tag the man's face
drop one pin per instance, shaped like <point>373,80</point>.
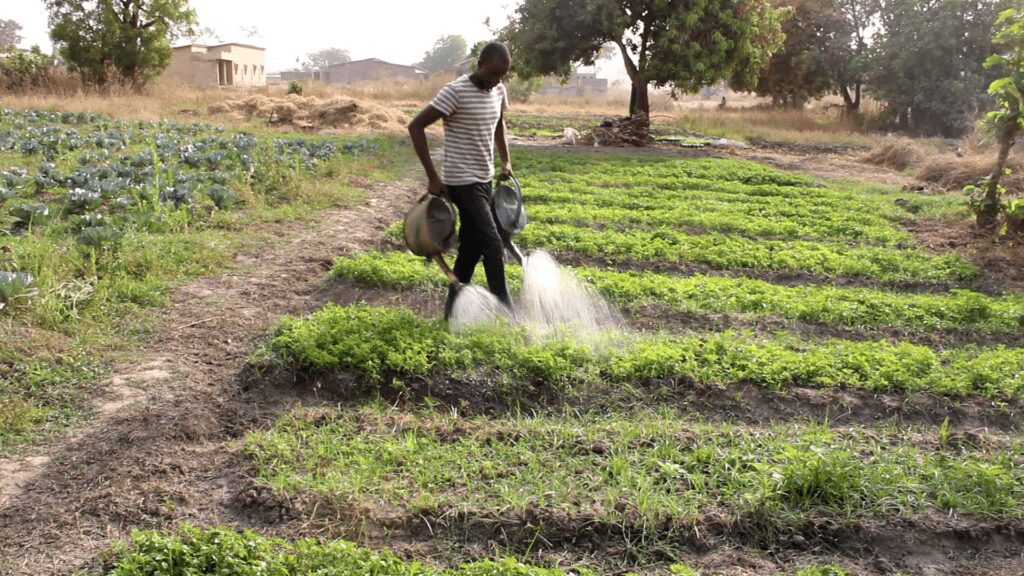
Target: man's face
<point>491,73</point>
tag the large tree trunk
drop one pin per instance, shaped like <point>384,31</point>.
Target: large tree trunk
<point>643,102</point>
<point>988,214</point>
<point>851,101</point>
<point>639,102</point>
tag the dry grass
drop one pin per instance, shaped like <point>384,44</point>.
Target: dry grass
<point>395,91</point>
<point>744,118</point>
<point>946,166</point>
<point>954,172</point>
<point>896,152</point>
<point>753,119</point>
<point>311,113</point>
<point>165,99</point>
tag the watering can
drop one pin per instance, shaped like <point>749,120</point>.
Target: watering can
<point>429,226</point>
<point>509,214</point>
<point>429,230</point>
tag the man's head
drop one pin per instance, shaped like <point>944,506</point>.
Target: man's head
<point>493,65</point>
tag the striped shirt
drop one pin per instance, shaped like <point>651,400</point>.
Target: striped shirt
<point>471,116</point>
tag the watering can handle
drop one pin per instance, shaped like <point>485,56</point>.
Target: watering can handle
<point>519,198</point>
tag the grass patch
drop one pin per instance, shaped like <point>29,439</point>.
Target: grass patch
<point>756,222</point>
<point>387,343</point>
<point>830,305</point>
<point>190,550</point>
<point>548,125</point>
<point>647,477</point>
<point>726,252</point>
<point>621,207</point>
<point>773,125</point>
<point>627,180</point>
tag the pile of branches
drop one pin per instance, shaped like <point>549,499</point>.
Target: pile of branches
<point>625,131</point>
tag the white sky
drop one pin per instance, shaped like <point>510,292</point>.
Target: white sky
<point>398,31</point>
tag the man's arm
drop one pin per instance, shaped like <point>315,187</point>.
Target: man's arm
<point>501,141</point>
<point>418,134</point>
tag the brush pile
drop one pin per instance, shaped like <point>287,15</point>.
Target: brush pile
<point>625,131</point>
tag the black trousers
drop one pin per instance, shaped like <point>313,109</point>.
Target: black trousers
<point>478,238</point>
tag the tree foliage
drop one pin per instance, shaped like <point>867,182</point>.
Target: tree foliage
<point>825,51</point>
<point>1007,119</point>
<point>125,41</point>
<point>446,53</point>
<point>927,63</point>
<point>848,56</point>
<point>22,69</point>
<point>9,33</point>
<point>675,43</point>
<point>321,59</point>
<point>801,70</point>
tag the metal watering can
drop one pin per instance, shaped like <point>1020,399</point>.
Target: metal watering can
<point>509,214</point>
<point>429,227</point>
<point>429,230</point>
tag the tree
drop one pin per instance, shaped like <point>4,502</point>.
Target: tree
<point>927,63</point>
<point>9,33</point>
<point>447,52</point>
<point>847,56</point>
<point>321,59</point>
<point>800,71</point>
<point>127,41</point>
<point>826,41</point>
<point>1007,120</point>
<point>20,69</point>
<point>677,43</point>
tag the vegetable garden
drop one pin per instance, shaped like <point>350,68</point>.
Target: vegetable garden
<point>730,273</point>
<point>98,217</point>
<point>654,449</point>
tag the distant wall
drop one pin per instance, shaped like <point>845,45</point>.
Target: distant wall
<point>367,70</point>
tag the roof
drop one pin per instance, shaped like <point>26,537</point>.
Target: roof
<point>220,46</point>
<point>379,61</point>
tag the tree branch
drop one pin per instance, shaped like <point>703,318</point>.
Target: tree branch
<point>631,69</point>
<point>645,37</point>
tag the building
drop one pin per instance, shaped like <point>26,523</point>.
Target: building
<point>300,75</point>
<point>222,65</point>
<point>370,69</point>
<point>578,84</point>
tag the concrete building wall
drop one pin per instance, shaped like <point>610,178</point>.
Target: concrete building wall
<point>223,65</point>
<point>577,85</point>
<point>301,76</point>
<point>368,70</point>
<point>189,65</point>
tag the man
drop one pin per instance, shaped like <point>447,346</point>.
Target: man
<point>473,108</point>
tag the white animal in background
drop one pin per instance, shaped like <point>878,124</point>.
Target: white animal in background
<point>570,136</point>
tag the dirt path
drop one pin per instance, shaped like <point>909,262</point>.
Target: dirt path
<point>164,443</point>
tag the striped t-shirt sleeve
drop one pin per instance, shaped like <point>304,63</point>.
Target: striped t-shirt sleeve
<point>447,100</point>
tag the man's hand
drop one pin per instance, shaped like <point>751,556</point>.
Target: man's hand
<point>506,171</point>
<point>436,188</point>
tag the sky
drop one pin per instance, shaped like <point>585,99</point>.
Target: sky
<point>398,31</point>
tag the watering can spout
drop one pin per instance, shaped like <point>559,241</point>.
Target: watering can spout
<point>452,278</point>
<point>514,250</point>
